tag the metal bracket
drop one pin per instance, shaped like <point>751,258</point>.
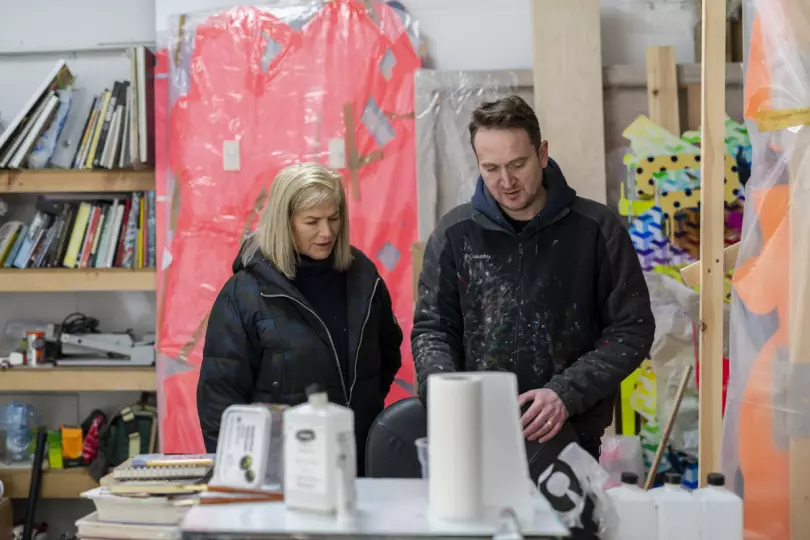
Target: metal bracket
<point>119,349</point>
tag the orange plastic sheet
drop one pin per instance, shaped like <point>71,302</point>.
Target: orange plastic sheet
<point>761,414</point>
<point>250,90</point>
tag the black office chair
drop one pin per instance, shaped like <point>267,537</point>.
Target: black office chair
<point>390,449</point>
<point>391,453</point>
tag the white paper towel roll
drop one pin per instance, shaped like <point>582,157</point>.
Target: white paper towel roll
<point>454,446</point>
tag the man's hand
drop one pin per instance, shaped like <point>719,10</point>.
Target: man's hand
<point>545,416</point>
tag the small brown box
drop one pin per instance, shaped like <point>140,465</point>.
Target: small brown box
<point>6,519</point>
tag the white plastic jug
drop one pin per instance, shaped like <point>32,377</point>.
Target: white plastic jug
<point>678,510</point>
<point>635,509</point>
<point>721,510</point>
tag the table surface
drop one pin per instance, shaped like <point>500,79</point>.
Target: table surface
<point>387,508</point>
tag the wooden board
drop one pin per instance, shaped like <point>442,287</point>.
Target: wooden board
<point>74,280</point>
<point>56,483</point>
<point>75,181</point>
<point>799,450</point>
<point>78,379</point>
<point>691,272</point>
<point>793,79</point>
<point>662,89</point>
<point>568,90</point>
<point>712,218</point>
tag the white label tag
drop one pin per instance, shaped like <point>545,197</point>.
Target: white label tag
<point>337,153</point>
<point>230,156</point>
<point>308,470</point>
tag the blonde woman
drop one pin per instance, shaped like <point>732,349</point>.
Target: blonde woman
<point>302,307</point>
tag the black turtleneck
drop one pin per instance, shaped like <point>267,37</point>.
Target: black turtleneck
<point>325,290</point>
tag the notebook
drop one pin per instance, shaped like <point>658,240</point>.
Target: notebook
<point>165,467</point>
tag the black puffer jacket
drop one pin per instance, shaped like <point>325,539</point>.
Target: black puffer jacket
<point>563,304</point>
<point>266,344</point>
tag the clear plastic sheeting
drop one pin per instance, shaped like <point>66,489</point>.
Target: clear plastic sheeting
<point>446,166</point>
<point>250,90</point>
<point>765,440</point>
<point>676,310</point>
<point>621,454</point>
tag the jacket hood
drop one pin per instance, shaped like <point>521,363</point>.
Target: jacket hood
<point>260,267</point>
<point>560,198</point>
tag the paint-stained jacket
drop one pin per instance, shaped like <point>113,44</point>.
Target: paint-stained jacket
<point>563,304</point>
<point>266,344</point>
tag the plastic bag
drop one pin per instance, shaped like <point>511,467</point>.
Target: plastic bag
<point>621,453</point>
<point>574,486</point>
<point>252,89</point>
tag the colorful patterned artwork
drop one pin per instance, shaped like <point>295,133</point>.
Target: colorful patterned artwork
<point>661,194</point>
<point>661,199</point>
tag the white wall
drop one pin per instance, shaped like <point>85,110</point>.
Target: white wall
<point>461,34</point>
<point>472,34</point>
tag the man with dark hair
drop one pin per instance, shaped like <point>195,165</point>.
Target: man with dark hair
<point>530,278</point>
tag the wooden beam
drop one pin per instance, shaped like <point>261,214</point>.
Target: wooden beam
<point>662,89</point>
<point>568,90</point>
<point>691,273</point>
<point>693,99</point>
<point>799,334</point>
<point>712,222</point>
<point>790,78</point>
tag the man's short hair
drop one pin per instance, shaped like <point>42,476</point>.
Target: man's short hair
<point>510,112</point>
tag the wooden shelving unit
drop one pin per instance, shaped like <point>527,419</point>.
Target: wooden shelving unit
<point>75,181</point>
<point>78,379</point>
<point>56,483</point>
<point>70,483</point>
<point>76,279</point>
<point>68,279</point>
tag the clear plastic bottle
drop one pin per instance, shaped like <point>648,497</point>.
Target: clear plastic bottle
<point>721,510</point>
<point>677,510</point>
<point>635,509</point>
<point>19,425</point>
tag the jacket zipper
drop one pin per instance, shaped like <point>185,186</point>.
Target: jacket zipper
<point>360,341</point>
<point>332,343</point>
<point>520,303</point>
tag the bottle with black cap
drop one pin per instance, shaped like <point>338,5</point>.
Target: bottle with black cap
<point>320,464</point>
<point>721,510</point>
<point>678,510</point>
<point>635,511</point>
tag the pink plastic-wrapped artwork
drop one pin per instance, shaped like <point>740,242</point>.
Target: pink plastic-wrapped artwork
<point>251,90</point>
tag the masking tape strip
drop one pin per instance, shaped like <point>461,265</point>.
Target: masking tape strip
<point>768,121</point>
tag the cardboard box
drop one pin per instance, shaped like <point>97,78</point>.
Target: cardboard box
<point>6,519</point>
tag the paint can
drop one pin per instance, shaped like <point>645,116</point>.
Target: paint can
<point>35,348</point>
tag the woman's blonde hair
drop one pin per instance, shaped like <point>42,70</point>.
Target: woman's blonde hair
<point>298,188</point>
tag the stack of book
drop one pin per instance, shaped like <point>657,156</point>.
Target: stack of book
<point>104,231</point>
<point>145,498</point>
<point>63,125</point>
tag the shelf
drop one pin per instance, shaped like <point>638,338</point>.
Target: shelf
<point>74,280</point>
<point>78,181</point>
<point>78,379</point>
<point>56,483</point>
